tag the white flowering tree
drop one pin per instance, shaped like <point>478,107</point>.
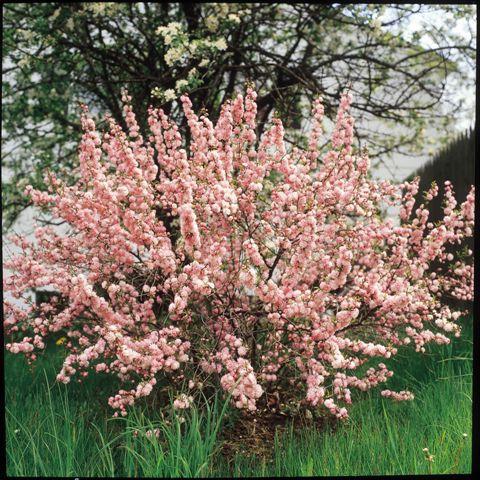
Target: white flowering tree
<point>56,55</point>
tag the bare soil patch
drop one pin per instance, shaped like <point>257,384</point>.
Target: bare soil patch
<point>253,435</point>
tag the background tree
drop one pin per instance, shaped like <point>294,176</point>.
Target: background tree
<point>454,163</point>
<point>58,54</point>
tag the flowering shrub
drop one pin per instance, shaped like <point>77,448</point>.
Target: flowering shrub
<point>229,262</point>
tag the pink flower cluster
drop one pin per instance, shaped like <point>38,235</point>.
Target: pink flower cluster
<point>398,396</point>
<point>233,262</point>
<point>182,402</point>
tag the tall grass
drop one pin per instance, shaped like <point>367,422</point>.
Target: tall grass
<point>49,433</point>
<point>58,430</point>
<point>380,438</point>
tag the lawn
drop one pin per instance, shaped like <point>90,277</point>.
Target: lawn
<point>58,430</point>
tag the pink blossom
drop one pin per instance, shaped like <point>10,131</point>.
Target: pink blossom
<point>235,262</point>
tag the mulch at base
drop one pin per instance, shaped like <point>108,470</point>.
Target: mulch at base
<point>255,434</point>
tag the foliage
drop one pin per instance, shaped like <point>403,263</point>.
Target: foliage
<point>272,277</point>
<point>455,162</point>
<point>58,54</point>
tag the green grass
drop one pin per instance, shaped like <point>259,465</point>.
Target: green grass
<point>58,430</point>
